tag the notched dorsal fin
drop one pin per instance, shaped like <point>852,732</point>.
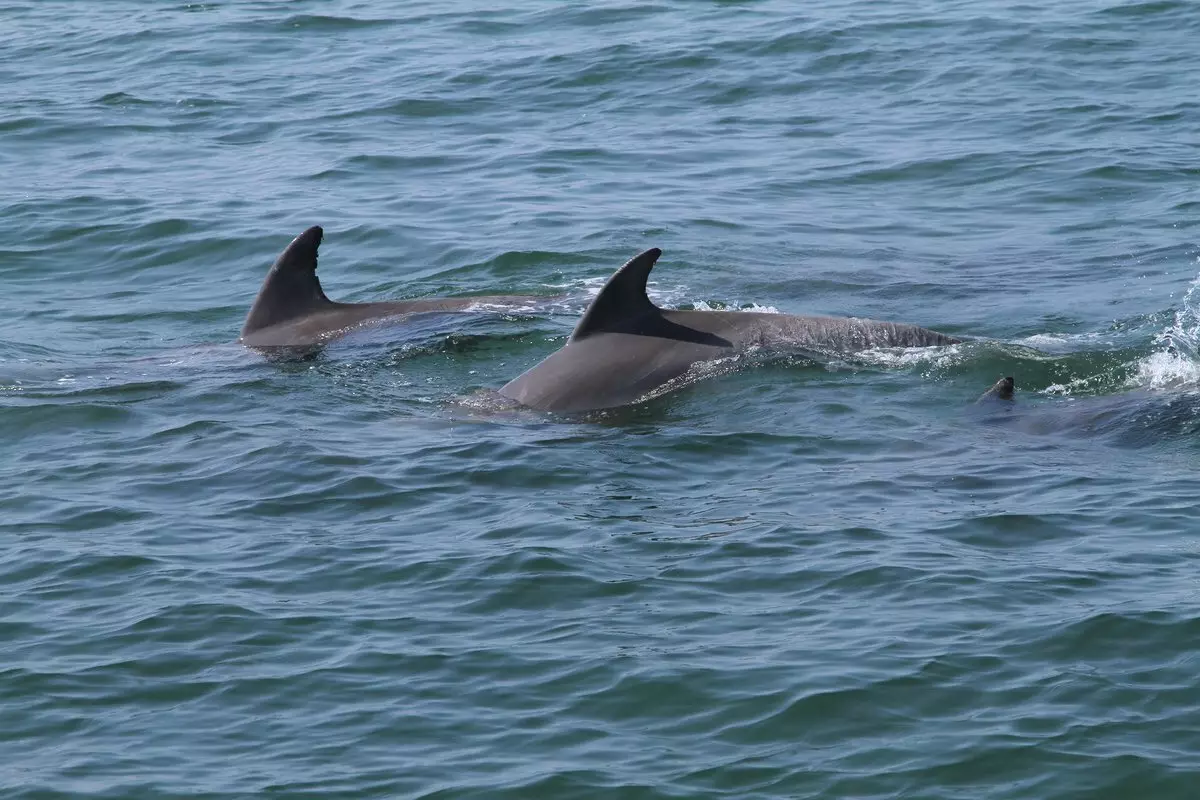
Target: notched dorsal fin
<point>622,298</point>
<point>291,288</point>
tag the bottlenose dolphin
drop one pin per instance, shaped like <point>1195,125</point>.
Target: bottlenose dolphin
<point>624,346</point>
<point>1001,390</point>
<point>1138,418</point>
<point>292,311</point>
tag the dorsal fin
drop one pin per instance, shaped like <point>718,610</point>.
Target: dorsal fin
<point>1001,390</point>
<point>291,288</point>
<point>622,298</point>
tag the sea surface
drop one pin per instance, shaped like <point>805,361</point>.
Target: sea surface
<point>351,576</point>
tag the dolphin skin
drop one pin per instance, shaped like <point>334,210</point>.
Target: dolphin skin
<point>1136,418</point>
<point>1001,390</point>
<point>291,310</point>
<point>625,347</point>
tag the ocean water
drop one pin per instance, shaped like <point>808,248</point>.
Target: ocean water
<point>349,577</point>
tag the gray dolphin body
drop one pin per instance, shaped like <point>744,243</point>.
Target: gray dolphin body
<point>291,310</point>
<point>1137,418</point>
<point>625,347</point>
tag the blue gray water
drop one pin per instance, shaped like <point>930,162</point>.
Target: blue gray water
<point>223,577</point>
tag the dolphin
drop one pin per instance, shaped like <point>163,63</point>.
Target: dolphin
<point>625,347</point>
<point>1137,418</point>
<point>292,311</point>
<point>1001,390</point>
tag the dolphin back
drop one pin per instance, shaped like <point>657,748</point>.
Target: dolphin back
<point>625,348</point>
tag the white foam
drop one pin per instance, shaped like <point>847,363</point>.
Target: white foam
<point>904,357</point>
<point>1175,362</point>
<point>511,308</point>
<point>1074,386</point>
<point>668,297</point>
<point>1059,342</point>
<point>1165,369</point>
<point>701,305</point>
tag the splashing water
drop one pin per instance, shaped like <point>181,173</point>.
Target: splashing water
<point>1175,362</point>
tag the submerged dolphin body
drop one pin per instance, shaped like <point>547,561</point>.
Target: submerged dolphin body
<point>292,311</point>
<point>625,347</point>
<point>1137,418</point>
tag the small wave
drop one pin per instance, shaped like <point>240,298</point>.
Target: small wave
<point>701,305</point>
<point>122,99</point>
<point>488,405</point>
<point>1059,342</point>
<point>668,297</point>
<point>508,308</point>
<point>1175,361</point>
<point>1088,385</point>
<point>1143,9</point>
<point>1165,370</point>
<point>322,22</point>
<point>904,358</point>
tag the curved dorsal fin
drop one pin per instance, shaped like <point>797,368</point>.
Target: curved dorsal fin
<point>291,288</point>
<point>622,298</point>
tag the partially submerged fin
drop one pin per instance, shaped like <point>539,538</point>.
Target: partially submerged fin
<point>622,298</point>
<point>291,288</point>
<point>1001,390</point>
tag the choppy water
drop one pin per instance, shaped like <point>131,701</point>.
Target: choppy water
<point>222,577</point>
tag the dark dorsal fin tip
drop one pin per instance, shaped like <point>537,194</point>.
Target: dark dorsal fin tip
<point>301,254</point>
<point>622,297</point>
